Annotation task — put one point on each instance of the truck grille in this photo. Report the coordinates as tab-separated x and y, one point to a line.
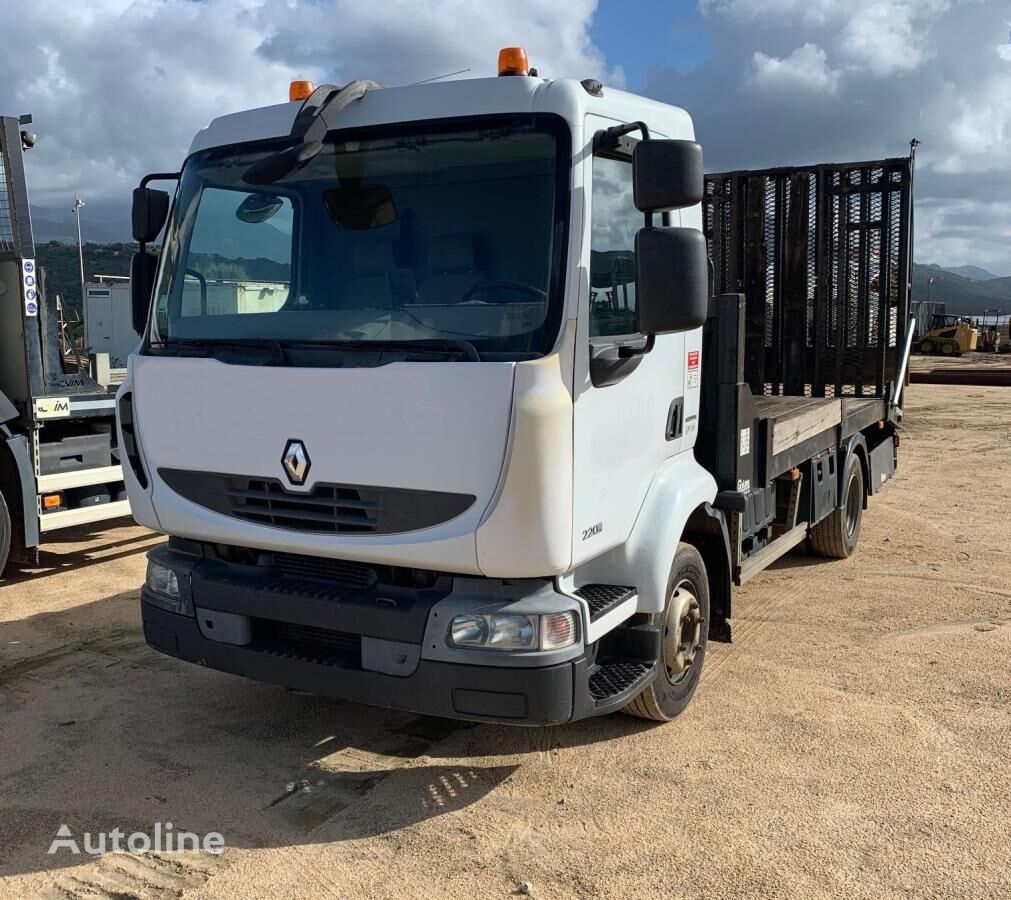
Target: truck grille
333	571
307	643
327	508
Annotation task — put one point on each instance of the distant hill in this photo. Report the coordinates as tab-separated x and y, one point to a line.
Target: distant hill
961	296
63	274
48	229
974	272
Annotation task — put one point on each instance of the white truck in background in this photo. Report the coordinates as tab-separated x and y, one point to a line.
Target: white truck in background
59	460
497	452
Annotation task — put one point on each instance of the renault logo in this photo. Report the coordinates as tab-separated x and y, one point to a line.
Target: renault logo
296	461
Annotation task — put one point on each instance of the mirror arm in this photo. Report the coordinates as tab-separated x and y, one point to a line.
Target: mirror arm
159	176
607	139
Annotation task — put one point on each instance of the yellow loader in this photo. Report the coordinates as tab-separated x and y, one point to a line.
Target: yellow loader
948	336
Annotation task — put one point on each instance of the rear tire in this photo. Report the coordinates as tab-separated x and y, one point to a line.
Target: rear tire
684	625
927	347
5	534
837	534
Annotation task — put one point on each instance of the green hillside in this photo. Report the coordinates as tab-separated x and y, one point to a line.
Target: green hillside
63	270
962	296
63	275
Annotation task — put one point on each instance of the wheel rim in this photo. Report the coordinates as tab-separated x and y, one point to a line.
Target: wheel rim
682	634
853	504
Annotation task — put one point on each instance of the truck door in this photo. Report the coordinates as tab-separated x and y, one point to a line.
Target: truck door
625	429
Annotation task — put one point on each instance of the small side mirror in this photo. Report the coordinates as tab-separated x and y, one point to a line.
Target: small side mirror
672	279
150	210
142	271
667	175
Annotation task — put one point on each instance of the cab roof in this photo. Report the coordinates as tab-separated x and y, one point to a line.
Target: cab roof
451	99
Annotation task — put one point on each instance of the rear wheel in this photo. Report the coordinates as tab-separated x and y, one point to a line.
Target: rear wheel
684	635
837	534
927	347
5	534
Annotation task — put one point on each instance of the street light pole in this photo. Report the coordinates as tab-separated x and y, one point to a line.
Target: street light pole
78	203
930	281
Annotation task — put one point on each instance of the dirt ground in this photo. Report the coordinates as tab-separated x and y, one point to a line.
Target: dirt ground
853	741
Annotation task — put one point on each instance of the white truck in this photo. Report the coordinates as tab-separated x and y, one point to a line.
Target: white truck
496	452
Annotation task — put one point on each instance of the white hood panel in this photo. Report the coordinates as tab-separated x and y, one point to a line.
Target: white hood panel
439	426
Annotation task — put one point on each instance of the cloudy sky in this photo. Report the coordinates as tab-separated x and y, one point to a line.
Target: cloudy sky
118	87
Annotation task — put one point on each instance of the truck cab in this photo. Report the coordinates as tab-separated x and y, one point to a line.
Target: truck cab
439	453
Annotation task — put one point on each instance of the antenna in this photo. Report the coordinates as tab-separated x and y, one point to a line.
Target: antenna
437	77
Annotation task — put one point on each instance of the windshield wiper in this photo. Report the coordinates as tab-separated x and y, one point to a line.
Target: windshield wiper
435	345
205	346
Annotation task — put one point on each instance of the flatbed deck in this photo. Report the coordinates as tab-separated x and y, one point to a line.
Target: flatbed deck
806	423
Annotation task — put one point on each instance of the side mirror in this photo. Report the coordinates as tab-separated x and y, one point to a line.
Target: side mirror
672	279
667	175
142	271
150	211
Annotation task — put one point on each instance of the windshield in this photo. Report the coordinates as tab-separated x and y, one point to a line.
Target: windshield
452	234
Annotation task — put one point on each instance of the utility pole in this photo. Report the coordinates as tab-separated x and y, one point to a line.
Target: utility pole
78	203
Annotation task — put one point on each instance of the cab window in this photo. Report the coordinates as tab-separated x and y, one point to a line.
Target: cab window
614	221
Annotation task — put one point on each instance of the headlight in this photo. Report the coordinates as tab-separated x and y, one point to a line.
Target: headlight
511	631
162	579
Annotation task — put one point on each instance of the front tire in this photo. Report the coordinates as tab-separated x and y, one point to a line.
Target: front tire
5	534
684	625
837	534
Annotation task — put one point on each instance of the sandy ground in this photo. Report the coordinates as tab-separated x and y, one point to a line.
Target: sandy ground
853	741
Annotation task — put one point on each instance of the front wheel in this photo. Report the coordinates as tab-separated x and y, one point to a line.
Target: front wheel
684	635
5	534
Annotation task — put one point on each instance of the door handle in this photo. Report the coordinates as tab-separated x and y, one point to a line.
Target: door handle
676	419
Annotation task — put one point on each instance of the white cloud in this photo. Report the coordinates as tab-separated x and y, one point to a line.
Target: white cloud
806	69
884	36
119	87
833	81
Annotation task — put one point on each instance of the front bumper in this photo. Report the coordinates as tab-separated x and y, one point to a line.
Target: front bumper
380	646
539	696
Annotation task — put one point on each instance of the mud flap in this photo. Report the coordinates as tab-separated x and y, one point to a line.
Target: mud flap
882	465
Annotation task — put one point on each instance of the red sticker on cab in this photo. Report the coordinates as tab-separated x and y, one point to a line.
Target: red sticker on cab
693	359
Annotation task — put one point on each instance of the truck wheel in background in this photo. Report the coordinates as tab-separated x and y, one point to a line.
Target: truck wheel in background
5	534
837	534
684	634
927	347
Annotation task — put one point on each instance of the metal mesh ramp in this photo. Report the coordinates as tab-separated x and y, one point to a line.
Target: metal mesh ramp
822	254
